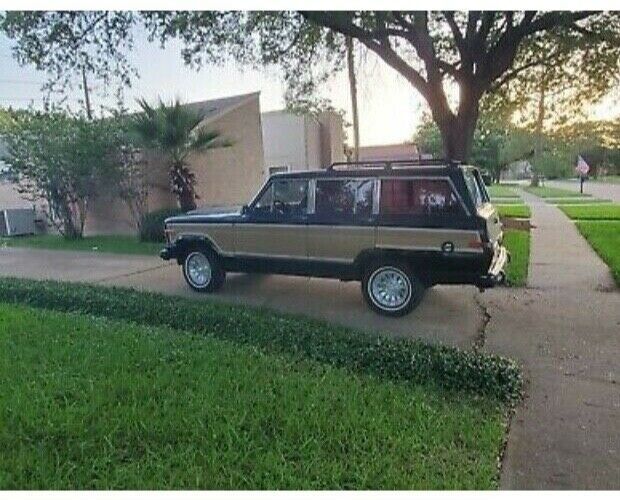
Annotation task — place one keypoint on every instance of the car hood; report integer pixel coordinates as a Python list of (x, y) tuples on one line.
[(207, 214)]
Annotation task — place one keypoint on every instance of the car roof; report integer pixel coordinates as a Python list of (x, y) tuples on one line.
[(399, 171)]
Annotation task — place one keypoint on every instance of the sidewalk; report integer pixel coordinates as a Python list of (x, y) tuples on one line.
[(564, 329), (559, 256)]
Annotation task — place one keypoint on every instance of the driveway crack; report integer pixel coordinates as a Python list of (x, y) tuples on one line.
[(481, 335), (126, 275)]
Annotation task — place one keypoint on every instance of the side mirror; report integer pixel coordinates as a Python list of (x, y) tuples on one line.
[(245, 209)]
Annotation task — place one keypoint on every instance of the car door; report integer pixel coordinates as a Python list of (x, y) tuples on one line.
[(274, 227), (342, 223)]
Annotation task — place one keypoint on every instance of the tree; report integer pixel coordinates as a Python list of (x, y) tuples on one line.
[(471, 54), (62, 160), (487, 143), (477, 50), (131, 181), (474, 52), (175, 131), (73, 46), (353, 92)]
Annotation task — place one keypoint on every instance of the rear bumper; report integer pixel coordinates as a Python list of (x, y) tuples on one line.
[(496, 274)]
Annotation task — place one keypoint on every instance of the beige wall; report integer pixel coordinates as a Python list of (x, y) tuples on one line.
[(332, 138), (225, 176), (232, 175)]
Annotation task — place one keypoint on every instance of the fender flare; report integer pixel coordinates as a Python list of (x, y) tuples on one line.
[(185, 241)]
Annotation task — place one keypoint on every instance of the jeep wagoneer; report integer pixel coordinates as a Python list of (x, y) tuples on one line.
[(399, 227)]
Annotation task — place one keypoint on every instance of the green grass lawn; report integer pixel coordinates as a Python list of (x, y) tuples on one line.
[(500, 191), (552, 192), (507, 201), (512, 210), (92, 403), (604, 237), (607, 211), (518, 244), (101, 244)]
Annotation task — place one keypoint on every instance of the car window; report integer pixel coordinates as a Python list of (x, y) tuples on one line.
[(473, 187), (284, 198), (344, 197), (418, 197), (264, 203)]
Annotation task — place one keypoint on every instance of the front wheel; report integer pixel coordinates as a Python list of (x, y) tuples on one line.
[(202, 270), (391, 288)]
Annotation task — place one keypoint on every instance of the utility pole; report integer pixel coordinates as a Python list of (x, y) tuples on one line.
[(540, 123), (353, 91), (89, 112)]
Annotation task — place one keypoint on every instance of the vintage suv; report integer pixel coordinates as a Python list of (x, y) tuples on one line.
[(399, 227)]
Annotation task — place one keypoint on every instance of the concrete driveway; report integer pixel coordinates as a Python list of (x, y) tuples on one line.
[(451, 314)]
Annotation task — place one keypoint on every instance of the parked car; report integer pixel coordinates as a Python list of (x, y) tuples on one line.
[(398, 227)]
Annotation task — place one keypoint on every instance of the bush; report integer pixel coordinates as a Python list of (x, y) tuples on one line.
[(152, 227), (396, 359)]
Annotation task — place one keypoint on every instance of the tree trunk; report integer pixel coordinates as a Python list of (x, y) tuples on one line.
[(457, 135), (353, 91), (182, 180), (540, 122), (457, 131)]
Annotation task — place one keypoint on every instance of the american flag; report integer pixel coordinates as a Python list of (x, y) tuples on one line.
[(582, 167)]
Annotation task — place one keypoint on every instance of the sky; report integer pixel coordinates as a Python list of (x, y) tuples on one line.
[(389, 108)]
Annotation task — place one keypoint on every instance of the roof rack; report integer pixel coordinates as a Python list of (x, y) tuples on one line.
[(387, 164)]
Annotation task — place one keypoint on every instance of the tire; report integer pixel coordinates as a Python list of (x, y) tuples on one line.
[(407, 289), (203, 270)]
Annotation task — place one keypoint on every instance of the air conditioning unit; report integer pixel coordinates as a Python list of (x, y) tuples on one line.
[(17, 221)]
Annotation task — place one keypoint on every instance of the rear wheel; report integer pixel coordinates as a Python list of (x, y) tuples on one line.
[(391, 288), (203, 271)]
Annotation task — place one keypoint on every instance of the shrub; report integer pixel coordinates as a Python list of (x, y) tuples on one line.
[(396, 359), (152, 227), (60, 158)]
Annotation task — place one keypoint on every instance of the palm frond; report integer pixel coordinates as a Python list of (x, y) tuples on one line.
[(208, 139), (174, 129)]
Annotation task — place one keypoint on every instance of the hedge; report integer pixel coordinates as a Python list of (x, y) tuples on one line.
[(152, 227), (396, 359)]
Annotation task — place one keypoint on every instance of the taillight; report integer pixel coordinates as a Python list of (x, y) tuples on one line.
[(475, 243)]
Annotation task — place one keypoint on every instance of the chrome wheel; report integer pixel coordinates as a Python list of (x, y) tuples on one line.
[(389, 288), (198, 269)]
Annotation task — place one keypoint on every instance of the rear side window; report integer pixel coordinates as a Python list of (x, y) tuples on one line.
[(418, 197), (475, 187), (341, 198)]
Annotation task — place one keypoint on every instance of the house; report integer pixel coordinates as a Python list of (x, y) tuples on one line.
[(517, 170), (260, 144), (224, 176), (404, 151), (301, 142)]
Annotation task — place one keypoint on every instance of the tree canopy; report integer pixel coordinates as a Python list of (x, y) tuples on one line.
[(73, 46), (452, 59)]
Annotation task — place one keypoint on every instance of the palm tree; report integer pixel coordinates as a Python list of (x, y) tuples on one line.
[(174, 131)]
